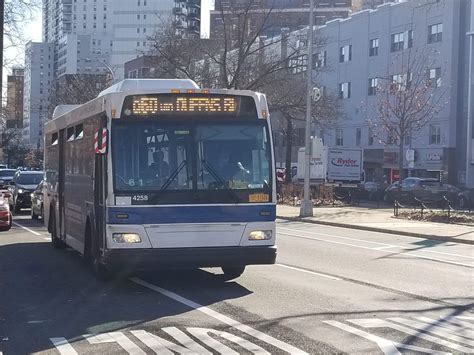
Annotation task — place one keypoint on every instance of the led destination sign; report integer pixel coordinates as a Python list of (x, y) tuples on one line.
[(146, 105)]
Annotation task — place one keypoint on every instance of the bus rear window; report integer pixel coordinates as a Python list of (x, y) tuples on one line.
[(54, 138)]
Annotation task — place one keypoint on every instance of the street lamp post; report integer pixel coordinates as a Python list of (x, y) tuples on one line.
[(111, 71), (470, 110), (306, 209)]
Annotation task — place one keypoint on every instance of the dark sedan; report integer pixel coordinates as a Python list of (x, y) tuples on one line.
[(425, 189), (22, 185)]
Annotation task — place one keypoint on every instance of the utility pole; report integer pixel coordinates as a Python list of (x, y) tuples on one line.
[(2, 23), (470, 110), (306, 209)]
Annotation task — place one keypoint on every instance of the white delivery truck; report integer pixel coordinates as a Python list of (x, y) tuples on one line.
[(341, 166)]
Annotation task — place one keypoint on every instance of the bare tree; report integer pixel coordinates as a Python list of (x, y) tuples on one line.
[(75, 89), (408, 100)]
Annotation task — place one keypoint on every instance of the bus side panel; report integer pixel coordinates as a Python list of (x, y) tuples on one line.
[(79, 186), (51, 167)]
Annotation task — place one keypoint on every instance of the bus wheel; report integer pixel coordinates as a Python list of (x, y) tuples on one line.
[(55, 241), (233, 272), (100, 270)]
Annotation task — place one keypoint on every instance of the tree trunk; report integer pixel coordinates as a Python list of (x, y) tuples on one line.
[(289, 148)]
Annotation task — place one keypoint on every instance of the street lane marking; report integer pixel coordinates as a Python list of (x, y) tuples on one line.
[(224, 319), (244, 343), (414, 255), (26, 228), (432, 328), (116, 337), (185, 340), (384, 245), (388, 347), (63, 346), (309, 272), (381, 323)]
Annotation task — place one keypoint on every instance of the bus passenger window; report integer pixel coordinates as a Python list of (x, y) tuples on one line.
[(79, 131), (54, 139), (70, 134)]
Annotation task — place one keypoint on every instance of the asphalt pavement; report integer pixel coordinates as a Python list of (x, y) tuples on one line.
[(333, 290)]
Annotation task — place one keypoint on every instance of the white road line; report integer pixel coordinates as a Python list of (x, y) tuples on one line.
[(388, 347), (25, 228), (309, 272), (205, 338), (384, 245), (63, 346), (116, 337), (222, 318), (413, 255), (432, 328), (187, 341), (456, 328), (381, 323)]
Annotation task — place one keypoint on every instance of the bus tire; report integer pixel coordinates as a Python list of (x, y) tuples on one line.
[(55, 241), (233, 272), (99, 269)]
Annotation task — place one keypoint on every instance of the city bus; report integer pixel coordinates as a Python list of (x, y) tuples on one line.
[(156, 174)]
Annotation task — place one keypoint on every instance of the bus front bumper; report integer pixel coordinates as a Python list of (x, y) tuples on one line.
[(170, 258)]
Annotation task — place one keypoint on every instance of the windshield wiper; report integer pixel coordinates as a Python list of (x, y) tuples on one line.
[(219, 179), (173, 176)]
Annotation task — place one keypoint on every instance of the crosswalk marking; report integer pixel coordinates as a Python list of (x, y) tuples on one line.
[(63, 346), (185, 340), (116, 337), (458, 329), (159, 345), (432, 328), (380, 323), (244, 343)]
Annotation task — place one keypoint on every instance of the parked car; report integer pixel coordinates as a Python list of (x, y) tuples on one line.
[(466, 199), (425, 189), (5, 215), (22, 185), (37, 202)]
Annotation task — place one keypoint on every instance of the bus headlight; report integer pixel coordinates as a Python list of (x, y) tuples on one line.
[(126, 238), (260, 235)]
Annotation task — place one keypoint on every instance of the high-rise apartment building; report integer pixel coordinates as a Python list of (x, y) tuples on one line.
[(288, 14), (39, 59), (187, 14), (90, 35), (14, 108)]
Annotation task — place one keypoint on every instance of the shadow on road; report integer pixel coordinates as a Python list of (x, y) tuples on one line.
[(48, 293)]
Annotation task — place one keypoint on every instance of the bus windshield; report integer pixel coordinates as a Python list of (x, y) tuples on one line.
[(198, 162)]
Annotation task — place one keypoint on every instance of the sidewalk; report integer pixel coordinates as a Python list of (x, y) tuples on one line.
[(380, 220)]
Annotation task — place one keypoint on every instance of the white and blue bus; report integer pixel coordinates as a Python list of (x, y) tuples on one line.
[(158, 173)]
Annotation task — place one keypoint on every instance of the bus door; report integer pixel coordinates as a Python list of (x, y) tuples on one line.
[(100, 180), (61, 183)]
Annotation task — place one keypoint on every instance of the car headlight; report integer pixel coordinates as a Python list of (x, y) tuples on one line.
[(126, 238), (20, 191), (260, 235)]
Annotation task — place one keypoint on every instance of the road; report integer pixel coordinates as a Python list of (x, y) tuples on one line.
[(332, 290)]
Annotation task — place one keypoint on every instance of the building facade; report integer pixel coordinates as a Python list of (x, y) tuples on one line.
[(376, 44), (287, 14), (14, 107), (187, 16), (39, 79), (91, 36)]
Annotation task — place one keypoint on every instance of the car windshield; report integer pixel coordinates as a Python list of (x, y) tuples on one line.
[(209, 161), (30, 179), (7, 173)]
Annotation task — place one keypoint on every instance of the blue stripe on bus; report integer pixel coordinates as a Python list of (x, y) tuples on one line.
[(191, 214)]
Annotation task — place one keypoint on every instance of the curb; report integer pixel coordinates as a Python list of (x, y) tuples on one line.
[(379, 230)]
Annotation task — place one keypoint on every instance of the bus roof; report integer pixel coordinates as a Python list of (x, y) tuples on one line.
[(150, 84)]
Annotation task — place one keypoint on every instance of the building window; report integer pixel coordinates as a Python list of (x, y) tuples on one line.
[(345, 53), (435, 33), (358, 136), (373, 82), (374, 47), (339, 137), (371, 137), (320, 59), (401, 41), (434, 75), (435, 134), (299, 64), (345, 90), (400, 81), (392, 136)]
